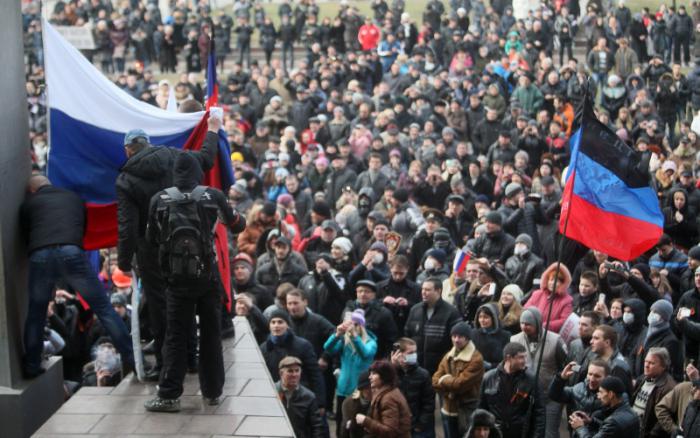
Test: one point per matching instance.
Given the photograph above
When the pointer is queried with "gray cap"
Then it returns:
(524, 238)
(513, 189)
(134, 134)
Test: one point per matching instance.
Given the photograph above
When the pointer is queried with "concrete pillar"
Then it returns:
(24, 406)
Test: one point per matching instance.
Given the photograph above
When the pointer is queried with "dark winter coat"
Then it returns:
(670, 342)
(302, 410)
(405, 289)
(142, 176)
(292, 345)
(490, 342)
(416, 386)
(325, 294)
(611, 422)
(508, 397)
(431, 335)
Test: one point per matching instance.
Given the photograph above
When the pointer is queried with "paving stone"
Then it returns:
(264, 426)
(259, 388)
(69, 423)
(264, 406)
(94, 390)
(213, 424)
(123, 424)
(162, 423)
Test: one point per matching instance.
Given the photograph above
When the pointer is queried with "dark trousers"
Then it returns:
(565, 46)
(182, 302)
(244, 48)
(681, 43)
(68, 263)
(153, 285)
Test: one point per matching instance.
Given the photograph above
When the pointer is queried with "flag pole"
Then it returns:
(560, 247)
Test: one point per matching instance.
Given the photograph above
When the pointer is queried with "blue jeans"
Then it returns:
(69, 263)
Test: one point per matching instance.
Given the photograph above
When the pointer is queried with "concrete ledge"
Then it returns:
(25, 408)
(249, 406)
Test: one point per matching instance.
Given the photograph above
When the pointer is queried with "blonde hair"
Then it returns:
(348, 336)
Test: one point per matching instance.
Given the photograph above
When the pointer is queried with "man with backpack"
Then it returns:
(181, 225)
(147, 170)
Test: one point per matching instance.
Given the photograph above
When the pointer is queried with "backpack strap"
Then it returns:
(174, 193)
(198, 192)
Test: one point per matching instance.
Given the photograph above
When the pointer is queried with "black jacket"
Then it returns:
(52, 216)
(292, 345)
(325, 294)
(302, 410)
(432, 335)
(689, 300)
(632, 336)
(416, 385)
(141, 177)
(524, 269)
(670, 342)
(379, 321)
(314, 328)
(405, 289)
(691, 420)
(508, 396)
(620, 421)
(490, 342)
(497, 247)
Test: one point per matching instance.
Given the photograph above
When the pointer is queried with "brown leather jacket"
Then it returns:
(458, 377)
(389, 415)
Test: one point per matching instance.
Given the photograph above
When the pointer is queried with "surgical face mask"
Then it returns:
(520, 249)
(429, 264)
(628, 318)
(411, 358)
(377, 259)
(653, 318)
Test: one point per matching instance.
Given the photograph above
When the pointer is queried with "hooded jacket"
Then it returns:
(633, 335)
(490, 341)
(458, 378)
(562, 304)
(552, 349)
(142, 176)
(685, 232)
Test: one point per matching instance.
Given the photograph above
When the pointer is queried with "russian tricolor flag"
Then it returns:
(461, 259)
(608, 200)
(88, 118)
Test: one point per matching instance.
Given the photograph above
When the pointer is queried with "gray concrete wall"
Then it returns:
(24, 405)
(14, 171)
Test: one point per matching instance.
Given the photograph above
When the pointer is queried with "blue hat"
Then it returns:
(134, 134)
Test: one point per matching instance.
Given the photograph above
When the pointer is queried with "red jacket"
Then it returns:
(562, 305)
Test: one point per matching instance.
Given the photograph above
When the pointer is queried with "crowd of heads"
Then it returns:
(393, 146)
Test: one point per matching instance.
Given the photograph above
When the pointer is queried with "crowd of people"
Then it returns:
(392, 147)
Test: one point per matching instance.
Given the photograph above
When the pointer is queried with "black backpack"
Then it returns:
(185, 250)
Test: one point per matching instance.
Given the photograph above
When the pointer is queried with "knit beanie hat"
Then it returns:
(279, 313)
(664, 308)
(494, 217)
(514, 290)
(461, 329)
(529, 316)
(358, 317)
(343, 243)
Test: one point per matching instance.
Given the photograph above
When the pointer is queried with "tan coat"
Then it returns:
(389, 415)
(670, 410)
(458, 378)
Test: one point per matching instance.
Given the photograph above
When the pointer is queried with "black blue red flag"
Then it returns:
(609, 204)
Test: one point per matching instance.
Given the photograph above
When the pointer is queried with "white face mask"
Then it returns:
(429, 264)
(628, 318)
(653, 318)
(377, 259)
(411, 358)
(520, 249)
